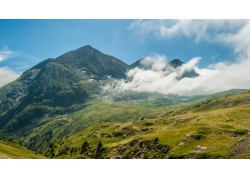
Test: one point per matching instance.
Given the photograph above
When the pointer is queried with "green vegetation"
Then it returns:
(195, 134)
(61, 107)
(13, 150)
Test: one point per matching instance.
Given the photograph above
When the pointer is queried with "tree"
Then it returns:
(99, 146)
(84, 146)
(156, 140)
(99, 149)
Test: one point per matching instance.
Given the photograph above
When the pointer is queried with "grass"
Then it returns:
(12, 150)
(184, 133)
(56, 127)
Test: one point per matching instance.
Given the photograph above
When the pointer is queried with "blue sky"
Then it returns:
(35, 40)
(24, 43)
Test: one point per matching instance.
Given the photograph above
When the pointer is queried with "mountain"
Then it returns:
(55, 86)
(174, 63)
(190, 74)
(12, 150)
(62, 96)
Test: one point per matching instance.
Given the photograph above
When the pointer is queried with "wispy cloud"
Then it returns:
(5, 54)
(7, 75)
(12, 70)
(198, 30)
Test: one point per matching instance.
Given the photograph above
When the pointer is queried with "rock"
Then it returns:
(201, 147)
(181, 144)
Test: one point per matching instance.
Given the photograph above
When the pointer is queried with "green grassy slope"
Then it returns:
(218, 128)
(53, 128)
(12, 150)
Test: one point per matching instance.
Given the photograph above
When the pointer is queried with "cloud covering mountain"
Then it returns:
(214, 78)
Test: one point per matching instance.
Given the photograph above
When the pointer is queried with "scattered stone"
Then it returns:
(181, 143)
(202, 148)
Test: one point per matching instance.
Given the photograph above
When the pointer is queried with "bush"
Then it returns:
(133, 142)
(20, 142)
(148, 124)
(240, 131)
(10, 139)
(51, 145)
(226, 126)
(203, 130)
(117, 134)
(156, 140)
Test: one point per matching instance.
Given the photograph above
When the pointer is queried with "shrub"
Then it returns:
(52, 155)
(10, 139)
(117, 134)
(226, 126)
(203, 130)
(148, 124)
(240, 131)
(20, 142)
(51, 145)
(156, 140)
(133, 142)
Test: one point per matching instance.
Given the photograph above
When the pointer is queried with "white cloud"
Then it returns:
(164, 79)
(4, 54)
(199, 30)
(7, 75)
(215, 78)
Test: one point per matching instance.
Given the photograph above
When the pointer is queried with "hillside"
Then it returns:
(55, 87)
(12, 150)
(198, 131)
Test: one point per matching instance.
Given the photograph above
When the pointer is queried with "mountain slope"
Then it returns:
(12, 150)
(221, 132)
(53, 87)
(62, 96)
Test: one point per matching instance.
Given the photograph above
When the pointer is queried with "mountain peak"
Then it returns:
(176, 63)
(86, 47)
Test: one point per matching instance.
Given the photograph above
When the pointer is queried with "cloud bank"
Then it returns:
(156, 76)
